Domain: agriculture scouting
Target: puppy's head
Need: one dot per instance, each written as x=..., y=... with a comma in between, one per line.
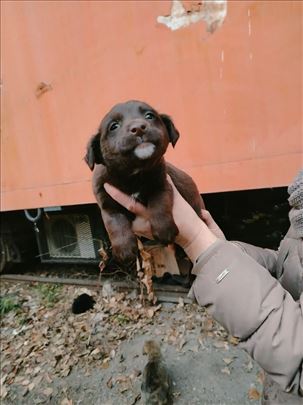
x=132, y=135
x=152, y=349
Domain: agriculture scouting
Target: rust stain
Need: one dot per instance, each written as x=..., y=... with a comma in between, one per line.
x=42, y=88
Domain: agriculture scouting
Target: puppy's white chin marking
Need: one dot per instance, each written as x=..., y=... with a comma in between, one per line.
x=144, y=151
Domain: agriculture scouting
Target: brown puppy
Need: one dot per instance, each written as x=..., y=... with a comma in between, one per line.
x=128, y=150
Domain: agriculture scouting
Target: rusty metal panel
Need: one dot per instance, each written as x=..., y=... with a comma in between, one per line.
x=233, y=85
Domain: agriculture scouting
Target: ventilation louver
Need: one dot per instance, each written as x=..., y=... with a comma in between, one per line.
x=69, y=236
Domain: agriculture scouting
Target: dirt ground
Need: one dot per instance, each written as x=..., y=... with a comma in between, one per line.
x=49, y=355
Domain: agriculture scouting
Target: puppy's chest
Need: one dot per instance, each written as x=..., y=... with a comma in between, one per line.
x=140, y=197
x=141, y=187
x=142, y=190
x=136, y=195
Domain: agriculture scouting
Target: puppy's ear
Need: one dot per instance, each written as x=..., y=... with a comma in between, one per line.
x=93, y=155
x=172, y=131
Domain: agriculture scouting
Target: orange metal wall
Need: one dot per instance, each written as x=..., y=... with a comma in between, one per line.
x=235, y=95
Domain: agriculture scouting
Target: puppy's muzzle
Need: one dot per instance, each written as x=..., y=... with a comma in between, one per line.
x=138, y=128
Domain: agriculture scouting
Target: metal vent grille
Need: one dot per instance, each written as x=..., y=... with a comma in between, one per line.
x=69, y=236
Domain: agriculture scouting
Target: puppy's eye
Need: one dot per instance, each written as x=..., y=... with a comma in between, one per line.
x=149, y=115
x=114, y=125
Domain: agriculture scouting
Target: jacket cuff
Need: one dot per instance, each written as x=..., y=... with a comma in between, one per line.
x=206, y=255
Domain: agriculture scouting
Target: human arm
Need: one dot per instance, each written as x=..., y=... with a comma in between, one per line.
x=239, y=293
x=265, y=257
x=234, y=283
x=255, y=308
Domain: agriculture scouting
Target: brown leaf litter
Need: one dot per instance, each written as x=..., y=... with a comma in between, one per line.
x=43, y=340
x=39, y=341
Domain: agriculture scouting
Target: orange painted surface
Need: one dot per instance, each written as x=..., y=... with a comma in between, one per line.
x=235, y=95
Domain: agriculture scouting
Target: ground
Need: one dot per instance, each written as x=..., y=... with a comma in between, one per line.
x=50, y=355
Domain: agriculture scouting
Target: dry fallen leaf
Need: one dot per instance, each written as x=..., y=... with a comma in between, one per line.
x=145, y=264
x=66, y=401
x=136, y=399
x=249, y=366
x=228, y=360
x=253, y=393
x=221, y=345
x=48, y=392
x=135, y=374
x=150, y=312
x=180, y=303
x=233, y=340
x=109, y=382
x=65, y=372
x=121, y=379
x=31, y=386
x=105, y=365
x=3, y=392
x=48, y=378
x=261, y=377
x=225, y=370
x=201, y=342
x=96, y=353
x=181, y=343
x=208, y=324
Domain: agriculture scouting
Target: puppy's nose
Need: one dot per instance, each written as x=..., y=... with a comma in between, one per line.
x=138, y=128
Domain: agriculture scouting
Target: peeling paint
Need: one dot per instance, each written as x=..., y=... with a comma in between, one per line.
x=249, y=23
x=213, y=12
x=249, y=31
x=249, y=28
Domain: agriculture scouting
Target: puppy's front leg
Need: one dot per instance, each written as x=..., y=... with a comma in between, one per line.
x=123, y=240
x=163, y=225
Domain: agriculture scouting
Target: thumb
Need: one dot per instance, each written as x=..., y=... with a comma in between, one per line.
x=207, y=218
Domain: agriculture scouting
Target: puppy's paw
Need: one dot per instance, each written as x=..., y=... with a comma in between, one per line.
x=165, y=232
x=125, y=254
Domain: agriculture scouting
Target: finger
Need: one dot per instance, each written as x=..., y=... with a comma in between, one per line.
x=175, y=190
x=208, y=219
x=206, y=216
x=141, y=227
x=125, y=200
x=171, y=182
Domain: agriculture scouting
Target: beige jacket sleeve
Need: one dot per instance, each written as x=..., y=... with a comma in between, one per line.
x=252, y=305
x=266, y=257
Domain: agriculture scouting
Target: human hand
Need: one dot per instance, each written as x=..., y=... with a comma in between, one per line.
x=212, y=225
x=141, y=224
x=194, y=236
